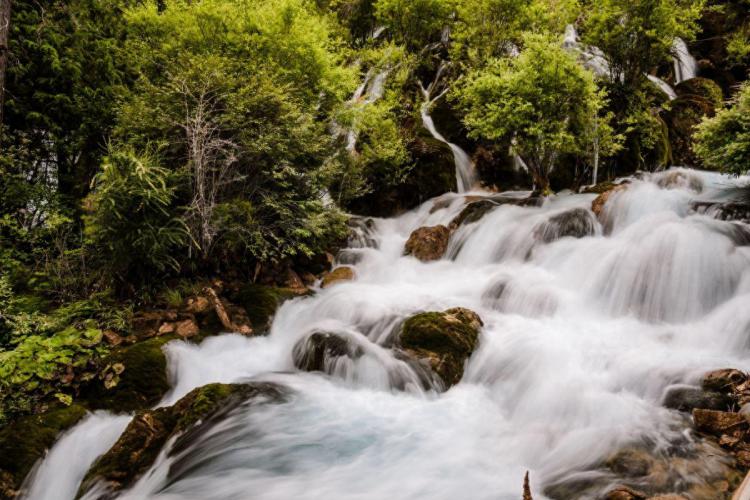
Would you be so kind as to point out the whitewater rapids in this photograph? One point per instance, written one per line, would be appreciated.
(582, 338)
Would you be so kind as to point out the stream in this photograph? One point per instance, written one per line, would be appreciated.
(582, 338)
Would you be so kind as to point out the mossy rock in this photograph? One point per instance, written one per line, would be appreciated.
(140, 443)
(142, 382)
(27, 440)
(444, 339)
(685, 114)
(701, 87)
(261, 303)
(473, 212)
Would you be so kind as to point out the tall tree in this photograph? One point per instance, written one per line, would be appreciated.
(5, 6)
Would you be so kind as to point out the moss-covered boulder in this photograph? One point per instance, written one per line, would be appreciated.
(27, 440)
(685, 113)
(444, 340)
(143, 439)
(261, 302)
(132, 378)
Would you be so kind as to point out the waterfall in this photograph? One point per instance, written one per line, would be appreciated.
(369, 91)
(663, 86)
(685, 65)
(585, 331)
(466, 177)
(593, 59)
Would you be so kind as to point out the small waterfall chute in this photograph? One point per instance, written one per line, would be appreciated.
(466, 176)
(685, 65)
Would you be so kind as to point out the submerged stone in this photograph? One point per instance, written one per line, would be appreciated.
(445, 340)
(317, 351)
(574, 223)
(687, 398)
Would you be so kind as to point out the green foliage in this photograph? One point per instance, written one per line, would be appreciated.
(542, 101)
(131, 223)
(415, 22)
(44, 366)
(65, 74)
(637, 35)
(723, 142)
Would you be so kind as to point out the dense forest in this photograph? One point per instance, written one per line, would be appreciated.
(175, 168)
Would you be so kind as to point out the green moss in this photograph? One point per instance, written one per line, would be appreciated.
(142, 383)
(143, 439)
(432, 331)
(261, 303)
(25, 441)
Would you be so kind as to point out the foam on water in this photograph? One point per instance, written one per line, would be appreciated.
(586, 326)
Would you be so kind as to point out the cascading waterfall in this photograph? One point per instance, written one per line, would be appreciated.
(685, 65)
(583, 335)
(466, 177)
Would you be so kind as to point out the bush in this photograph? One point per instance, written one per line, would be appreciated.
(133, 223)
(723, 142)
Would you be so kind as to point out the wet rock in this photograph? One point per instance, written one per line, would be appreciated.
(338, 275)
(680, 179)
(139, 445)
(472, 213)
(724, 380)
(600, 188)
(631, 463)
(27, 440)
(443, 339)
(112, 338)
(597, 206)
(625, 493)
(318, 351)
(142, 380)
(428, 243)
(718, 422)
(574, 223)
(729, 211)
(687, 398)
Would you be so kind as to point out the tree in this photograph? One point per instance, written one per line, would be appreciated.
(251, 139)
(415, 22)
(5, 6)
(543, 102)
(638, 35)
(723, 142)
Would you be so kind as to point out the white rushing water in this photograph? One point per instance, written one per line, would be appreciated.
(466, 176)
(582, 338)
(685, 65)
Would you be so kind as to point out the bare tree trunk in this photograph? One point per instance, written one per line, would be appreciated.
(5, 6)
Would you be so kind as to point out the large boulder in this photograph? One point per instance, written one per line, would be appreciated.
(698, 98)
(25, 441)
(444, 340)
(139, 445)
(428, 243)
(320, 351)
(132, 377)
